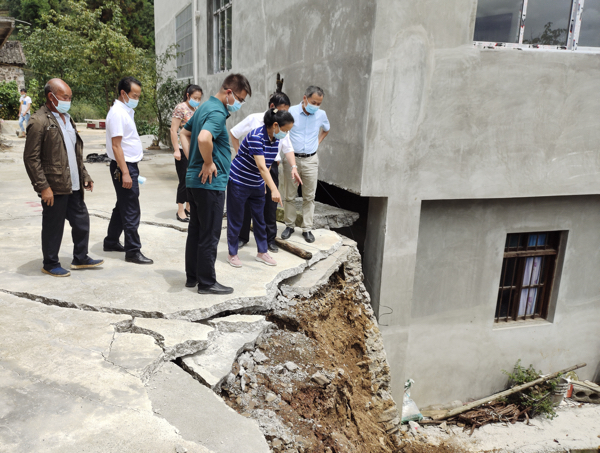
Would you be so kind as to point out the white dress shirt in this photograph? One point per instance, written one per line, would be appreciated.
(254, 121)
(120, 123)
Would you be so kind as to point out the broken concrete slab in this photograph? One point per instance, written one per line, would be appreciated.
(212, 365)
(200, 415)
(317, 275)
(325, 216)
(177, 338)
(60, 393)
(138, 354)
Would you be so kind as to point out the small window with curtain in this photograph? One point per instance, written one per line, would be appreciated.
(185, 44)
(221, 35)
(528, 272)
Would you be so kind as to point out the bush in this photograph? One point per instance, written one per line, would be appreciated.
(145, 127)
(80, 111)
(9, 100)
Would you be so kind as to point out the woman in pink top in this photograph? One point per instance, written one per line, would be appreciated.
(182, 113)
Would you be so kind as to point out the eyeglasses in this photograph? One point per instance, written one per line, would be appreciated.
(242, 101)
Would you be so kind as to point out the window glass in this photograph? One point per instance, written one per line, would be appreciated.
(183, 38)
(547, 22)
(498, 20)
(589, 35)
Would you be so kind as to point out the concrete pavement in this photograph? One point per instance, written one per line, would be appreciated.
(85, 359)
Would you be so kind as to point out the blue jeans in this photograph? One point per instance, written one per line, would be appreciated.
(237, 195)
(24, 118)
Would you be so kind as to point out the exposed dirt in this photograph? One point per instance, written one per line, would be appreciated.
(324, 334)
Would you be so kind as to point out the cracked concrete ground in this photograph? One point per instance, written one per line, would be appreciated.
(85, 361)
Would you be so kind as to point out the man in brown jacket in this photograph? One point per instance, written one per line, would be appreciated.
(54, 162)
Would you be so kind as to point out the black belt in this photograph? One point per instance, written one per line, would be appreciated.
(304, 155)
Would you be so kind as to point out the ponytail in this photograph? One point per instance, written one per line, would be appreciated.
(281, 117)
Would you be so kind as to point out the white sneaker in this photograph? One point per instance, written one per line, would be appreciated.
(266, 259)
(234, 260)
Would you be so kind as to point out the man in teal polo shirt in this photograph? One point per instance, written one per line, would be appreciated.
(205, 140)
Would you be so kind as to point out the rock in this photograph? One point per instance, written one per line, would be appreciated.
(320, 378)
(270, 397)
(259, 357)
(180, 449)
(388, 415)
(276, 443)
(291, 366)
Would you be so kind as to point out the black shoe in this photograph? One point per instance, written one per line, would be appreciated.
(185, 219)
(273, 247)
(190, 283)
(217, 289)
(86, 264)
(137, 258)
(308, 237)
(187, 213)
(287, 233)
(241, 243)
(118, 247)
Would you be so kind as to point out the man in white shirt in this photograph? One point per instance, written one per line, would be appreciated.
(24, 110)
(124, 147)
(282, 102)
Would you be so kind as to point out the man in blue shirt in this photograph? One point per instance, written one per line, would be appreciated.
(205, 140)
(311, 126)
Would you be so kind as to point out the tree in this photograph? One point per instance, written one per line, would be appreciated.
(87, 53)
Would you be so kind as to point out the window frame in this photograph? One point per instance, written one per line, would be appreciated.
(214, 54)
(181, 53)
(547, 279)
(577, 8)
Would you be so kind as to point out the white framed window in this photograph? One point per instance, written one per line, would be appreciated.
(185, 43)
(221, 34)
(538, 24)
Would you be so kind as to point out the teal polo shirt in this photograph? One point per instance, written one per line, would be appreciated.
(210, 117)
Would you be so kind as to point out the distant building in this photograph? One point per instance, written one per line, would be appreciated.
(475, 136)
(12, 58)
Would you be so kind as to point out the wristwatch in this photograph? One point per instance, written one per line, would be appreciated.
(294, 166)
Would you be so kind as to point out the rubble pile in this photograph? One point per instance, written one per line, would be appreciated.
(318, 380)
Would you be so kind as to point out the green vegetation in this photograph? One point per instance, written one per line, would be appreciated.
(9, 100)
(137, 19)
(538, 397)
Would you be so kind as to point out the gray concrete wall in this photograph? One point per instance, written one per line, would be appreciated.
(310, 42)
(455, 348)
(449, 121)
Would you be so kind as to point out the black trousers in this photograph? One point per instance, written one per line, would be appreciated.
(126, 214)
(181, 168)
(270, 212)
(204, 232)
(71, 208)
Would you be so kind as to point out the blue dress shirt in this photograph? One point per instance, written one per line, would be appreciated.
(305, 133)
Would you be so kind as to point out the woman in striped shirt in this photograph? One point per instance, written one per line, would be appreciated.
(247, 179)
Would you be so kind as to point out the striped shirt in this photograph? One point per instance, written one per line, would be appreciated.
(244, 170)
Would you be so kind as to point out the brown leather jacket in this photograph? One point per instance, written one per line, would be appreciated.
(45, 155)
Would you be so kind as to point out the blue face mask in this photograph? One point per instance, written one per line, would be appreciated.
(194, 104)
(236, 105)
(280, 135)
(131, 103)
(311, 109)
(63, 106)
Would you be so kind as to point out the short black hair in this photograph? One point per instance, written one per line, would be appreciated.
(279, 99)
(281, 117)
(237, 82)
(23, 90)
(125, 84)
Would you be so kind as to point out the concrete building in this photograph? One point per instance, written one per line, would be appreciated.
(479, 159)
